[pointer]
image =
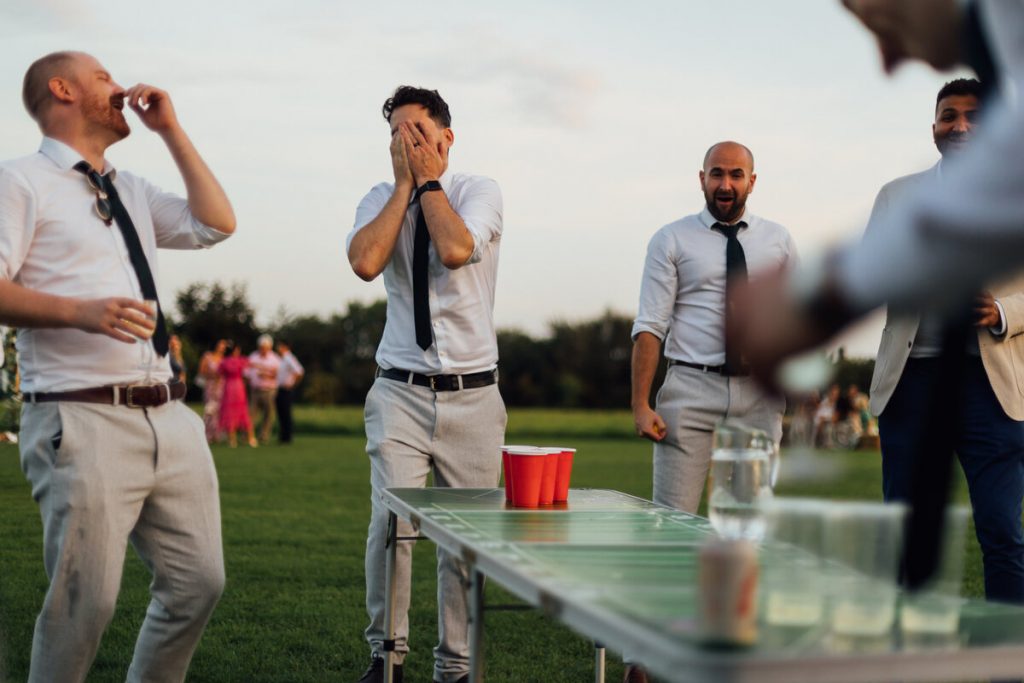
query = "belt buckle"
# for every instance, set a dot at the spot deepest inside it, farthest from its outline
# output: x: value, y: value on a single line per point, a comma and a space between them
x: 433, y: 383
x: 128, y: 398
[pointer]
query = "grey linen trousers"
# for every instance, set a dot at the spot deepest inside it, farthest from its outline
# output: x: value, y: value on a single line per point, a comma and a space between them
x: 105, y: 475
x: 411, y: 432
x: 692, y: 402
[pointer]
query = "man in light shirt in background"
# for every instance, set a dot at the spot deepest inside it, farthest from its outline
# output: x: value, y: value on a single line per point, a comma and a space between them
x: 111, y: 451
x: 262, y: 373
x: 289, y: 372
x: 435, y: 407
x: 692, y: 267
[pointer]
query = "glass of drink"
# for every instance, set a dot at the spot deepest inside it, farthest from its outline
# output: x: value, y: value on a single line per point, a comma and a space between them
x: 862, y: 547
x: 140, y: 332
x: 792, y: 586
x: 933, y: 612
x: 740, y: 480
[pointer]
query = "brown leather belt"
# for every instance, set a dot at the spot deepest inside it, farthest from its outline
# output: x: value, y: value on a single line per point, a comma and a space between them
x: 136, y: 396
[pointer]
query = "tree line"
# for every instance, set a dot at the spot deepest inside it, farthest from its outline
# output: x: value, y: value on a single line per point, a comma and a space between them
x: 582, y: 364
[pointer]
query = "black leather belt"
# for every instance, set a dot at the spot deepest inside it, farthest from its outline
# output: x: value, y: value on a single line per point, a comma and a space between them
x: 717, y: 369
x: 136, y: 396
x: 474, y: 380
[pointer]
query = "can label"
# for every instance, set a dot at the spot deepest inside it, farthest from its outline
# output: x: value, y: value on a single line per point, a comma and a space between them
x: 727, y: 592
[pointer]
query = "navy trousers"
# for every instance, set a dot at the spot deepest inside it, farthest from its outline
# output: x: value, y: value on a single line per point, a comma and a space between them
x: 283, y: 404
x: 990, y: 447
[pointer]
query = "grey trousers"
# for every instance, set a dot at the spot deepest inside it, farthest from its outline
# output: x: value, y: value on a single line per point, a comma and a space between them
x: 262, y: 411
x: 411, y: 431
x: 104, y: 476
x: 692, y: 402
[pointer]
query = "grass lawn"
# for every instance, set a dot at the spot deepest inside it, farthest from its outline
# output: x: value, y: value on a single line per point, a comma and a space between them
x: 294, y: 532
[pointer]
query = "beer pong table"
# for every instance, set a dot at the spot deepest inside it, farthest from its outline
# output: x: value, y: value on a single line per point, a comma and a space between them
x: 622, y: 571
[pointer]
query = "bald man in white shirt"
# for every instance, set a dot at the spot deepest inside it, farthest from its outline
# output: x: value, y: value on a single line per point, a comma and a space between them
x: 112, y: 453
x: 691, y: 265
x: 683, y: 304
x: 435, y: 406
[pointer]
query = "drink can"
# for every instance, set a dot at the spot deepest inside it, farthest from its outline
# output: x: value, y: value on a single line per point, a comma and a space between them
x: 727, y: 592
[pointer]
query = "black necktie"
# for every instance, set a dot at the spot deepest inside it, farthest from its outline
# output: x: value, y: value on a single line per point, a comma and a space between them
x: 420, y: 289
x: 735, y: 270
x: 135, y: 252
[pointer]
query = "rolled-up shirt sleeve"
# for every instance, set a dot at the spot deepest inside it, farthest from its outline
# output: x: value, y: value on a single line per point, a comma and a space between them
x: 174, y: 225
x: 658, y: 288
x: 369, y: 208
x: 17, y: 222
x: 481, y: 211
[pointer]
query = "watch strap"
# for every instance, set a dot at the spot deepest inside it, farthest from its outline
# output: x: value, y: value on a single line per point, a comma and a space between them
x: 429, y: 186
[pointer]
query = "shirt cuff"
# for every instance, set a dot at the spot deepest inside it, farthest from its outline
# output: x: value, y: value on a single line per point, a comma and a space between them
x: 999, y: 330
x: 639, y: 327
x: 207, y: 236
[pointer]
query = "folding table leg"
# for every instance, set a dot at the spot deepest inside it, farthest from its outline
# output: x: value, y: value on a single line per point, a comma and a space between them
x: 389, y: 597
x: 476, y: 626
x: 599, y: 662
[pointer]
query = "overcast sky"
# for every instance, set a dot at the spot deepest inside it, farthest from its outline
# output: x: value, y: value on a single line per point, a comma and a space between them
x: 592, y: 116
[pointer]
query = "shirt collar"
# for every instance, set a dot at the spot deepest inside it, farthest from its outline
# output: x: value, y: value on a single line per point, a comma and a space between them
x: 65, y: 156
x: 708, y: 220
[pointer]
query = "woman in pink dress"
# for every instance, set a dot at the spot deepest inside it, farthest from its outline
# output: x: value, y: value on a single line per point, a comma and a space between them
x: 234, y: 406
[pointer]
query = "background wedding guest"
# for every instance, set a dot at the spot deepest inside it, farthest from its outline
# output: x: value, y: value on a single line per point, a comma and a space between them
x: 289, y: 373
x: 262, y: 374
x: 212, y: 384
x: 234, y: 405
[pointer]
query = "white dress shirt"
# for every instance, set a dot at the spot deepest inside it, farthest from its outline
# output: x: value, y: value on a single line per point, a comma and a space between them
x: 289, y: 371
x: 956, y: 232
x: 682, y: 295
x: 53, y: 241
x: 461, y: 300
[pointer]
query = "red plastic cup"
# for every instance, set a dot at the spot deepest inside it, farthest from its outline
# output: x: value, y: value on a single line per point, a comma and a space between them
x: 547, y: 484
x: 563, y: 474
x: 507, y: 474
x: 527, y: 467
x: 506, y: 469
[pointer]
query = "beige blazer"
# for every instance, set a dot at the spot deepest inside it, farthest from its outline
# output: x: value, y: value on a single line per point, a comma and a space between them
x: 1002, y: 356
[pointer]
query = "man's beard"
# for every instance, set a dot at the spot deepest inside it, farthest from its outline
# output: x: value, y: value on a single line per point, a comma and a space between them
x: 951, y: 143
x: 739, y: 202
x: 104, y: 115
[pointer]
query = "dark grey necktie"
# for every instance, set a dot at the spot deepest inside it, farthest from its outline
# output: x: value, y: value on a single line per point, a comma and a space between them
x: 735, y: 271
x: 420, y: 288
x: 135, y: 252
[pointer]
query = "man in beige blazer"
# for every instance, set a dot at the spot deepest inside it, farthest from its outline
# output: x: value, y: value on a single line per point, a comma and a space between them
x: 990, y: 441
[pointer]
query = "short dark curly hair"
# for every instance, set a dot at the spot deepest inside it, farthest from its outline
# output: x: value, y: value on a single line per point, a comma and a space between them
x: 960, y: 86
x: 430, y: 100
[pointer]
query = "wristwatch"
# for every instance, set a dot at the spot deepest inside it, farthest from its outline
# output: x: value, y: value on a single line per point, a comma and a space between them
x: 429, y: 186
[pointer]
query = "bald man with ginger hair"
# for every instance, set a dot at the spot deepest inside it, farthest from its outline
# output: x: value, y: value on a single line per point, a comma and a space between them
x: 112, y: 453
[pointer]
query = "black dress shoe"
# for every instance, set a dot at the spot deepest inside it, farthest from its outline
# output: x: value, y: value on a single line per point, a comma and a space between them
x: 375, y: 672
